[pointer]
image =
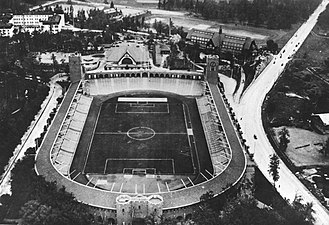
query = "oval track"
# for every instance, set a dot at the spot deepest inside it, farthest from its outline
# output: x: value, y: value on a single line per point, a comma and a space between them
x: 173, y: 199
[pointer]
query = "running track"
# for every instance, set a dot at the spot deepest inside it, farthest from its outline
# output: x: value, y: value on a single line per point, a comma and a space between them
x: 173, y: 199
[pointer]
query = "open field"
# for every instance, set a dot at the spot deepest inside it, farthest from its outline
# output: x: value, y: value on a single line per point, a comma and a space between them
x: 141, y: 135
x: 305, y: 147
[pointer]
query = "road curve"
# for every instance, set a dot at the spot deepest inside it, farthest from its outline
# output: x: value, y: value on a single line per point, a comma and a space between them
x: 250, y: 110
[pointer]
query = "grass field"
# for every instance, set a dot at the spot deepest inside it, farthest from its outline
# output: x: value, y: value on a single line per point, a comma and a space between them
x: 143, y: 135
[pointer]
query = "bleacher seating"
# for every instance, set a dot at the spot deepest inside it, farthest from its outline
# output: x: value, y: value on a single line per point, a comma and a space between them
x: 218, y: 146
x: 68, y: 137
x: 179, y: 86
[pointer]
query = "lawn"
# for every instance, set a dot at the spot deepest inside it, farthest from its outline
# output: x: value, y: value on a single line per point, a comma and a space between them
x: 142, y: 135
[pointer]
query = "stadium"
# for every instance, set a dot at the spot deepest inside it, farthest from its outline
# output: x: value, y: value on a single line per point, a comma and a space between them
x: 138, y: 134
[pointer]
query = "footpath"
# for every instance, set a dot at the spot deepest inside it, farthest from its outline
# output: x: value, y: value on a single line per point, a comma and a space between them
x: 33, y: 132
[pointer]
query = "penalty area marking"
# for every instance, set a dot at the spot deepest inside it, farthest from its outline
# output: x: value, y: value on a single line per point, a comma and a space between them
x: 108, y: 162
x: 140, y: 107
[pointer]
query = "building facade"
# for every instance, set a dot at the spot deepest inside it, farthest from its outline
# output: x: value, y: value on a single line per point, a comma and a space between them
x: 30, y: 22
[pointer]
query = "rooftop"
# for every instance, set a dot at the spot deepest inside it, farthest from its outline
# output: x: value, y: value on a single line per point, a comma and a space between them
x: 324, y: 117
x: 137, y: 51
x: 5, y: 25
x: 55, y: 19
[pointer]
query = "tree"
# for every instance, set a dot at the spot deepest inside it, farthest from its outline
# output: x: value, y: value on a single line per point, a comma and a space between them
x: 112, y: 5
x: 35, y: 213
x: 325, y: 148
x: 274, y: 168
x: 283, y: 138
x: 295, y: 213
x: 326, y: 63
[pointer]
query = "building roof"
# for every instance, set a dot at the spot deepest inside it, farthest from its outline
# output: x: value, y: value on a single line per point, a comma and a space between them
x: 201, y: 33
x: 324, y: 118
x: 55, y: 19
x: 35, y: 13
x: 137, y: 51
x: 235, y: 44
x: 5, y: 25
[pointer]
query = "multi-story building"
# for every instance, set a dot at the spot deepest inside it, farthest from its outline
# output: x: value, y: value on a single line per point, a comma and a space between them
x: 37, y: 21
x: 226, y: 45
x: 205, y: 39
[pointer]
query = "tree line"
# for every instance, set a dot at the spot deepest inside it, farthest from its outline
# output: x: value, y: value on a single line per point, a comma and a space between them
x: 18, y: 5
x: 37, y: 201
x: 265, y: 13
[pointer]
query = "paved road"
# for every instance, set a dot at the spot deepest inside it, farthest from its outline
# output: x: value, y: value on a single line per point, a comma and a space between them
x: 250, y: 111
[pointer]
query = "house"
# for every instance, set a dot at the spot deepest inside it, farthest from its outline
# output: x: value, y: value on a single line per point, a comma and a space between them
x: 127, y: 55
x: 205, y: 39
x: 238, y: 46
x: 227, y: 45
x: 53, y: 24
x: 113, y: 13
x: 320, y: 122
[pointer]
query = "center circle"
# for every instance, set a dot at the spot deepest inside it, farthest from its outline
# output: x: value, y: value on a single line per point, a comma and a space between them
x: 141, y: 133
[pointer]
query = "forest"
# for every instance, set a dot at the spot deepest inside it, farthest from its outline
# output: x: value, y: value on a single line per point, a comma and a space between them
x: 264, y: 13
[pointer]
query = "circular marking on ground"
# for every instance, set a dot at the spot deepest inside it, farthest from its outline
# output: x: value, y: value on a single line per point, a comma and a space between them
x: 141, y: 133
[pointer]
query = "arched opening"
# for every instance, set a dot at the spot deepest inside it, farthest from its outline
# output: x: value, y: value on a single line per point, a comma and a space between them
x: 144, y: 74
x: 110, y: 221
x: 188, y: 216
x: 122, y: 75
x: 161, y: 75
x: 127, y: 61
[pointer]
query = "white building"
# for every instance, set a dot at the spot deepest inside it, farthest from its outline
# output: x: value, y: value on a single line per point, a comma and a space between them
x: 6, y: 30
x: 54, y: 24
x: 38, y: 22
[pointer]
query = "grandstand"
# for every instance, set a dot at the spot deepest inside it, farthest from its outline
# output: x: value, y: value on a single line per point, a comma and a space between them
x: 218, y: 146
x: 68, y: 137
x: 107, y: 86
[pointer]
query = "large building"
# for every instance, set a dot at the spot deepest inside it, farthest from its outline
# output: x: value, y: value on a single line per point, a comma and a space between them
x: 228, y: 45
x: 127, y: 55
x: 30, y: 22
x: 238, y: 46
x: 205, y: 39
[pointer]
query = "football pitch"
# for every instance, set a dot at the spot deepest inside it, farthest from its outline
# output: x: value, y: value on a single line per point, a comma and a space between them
x: 142, y: 135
